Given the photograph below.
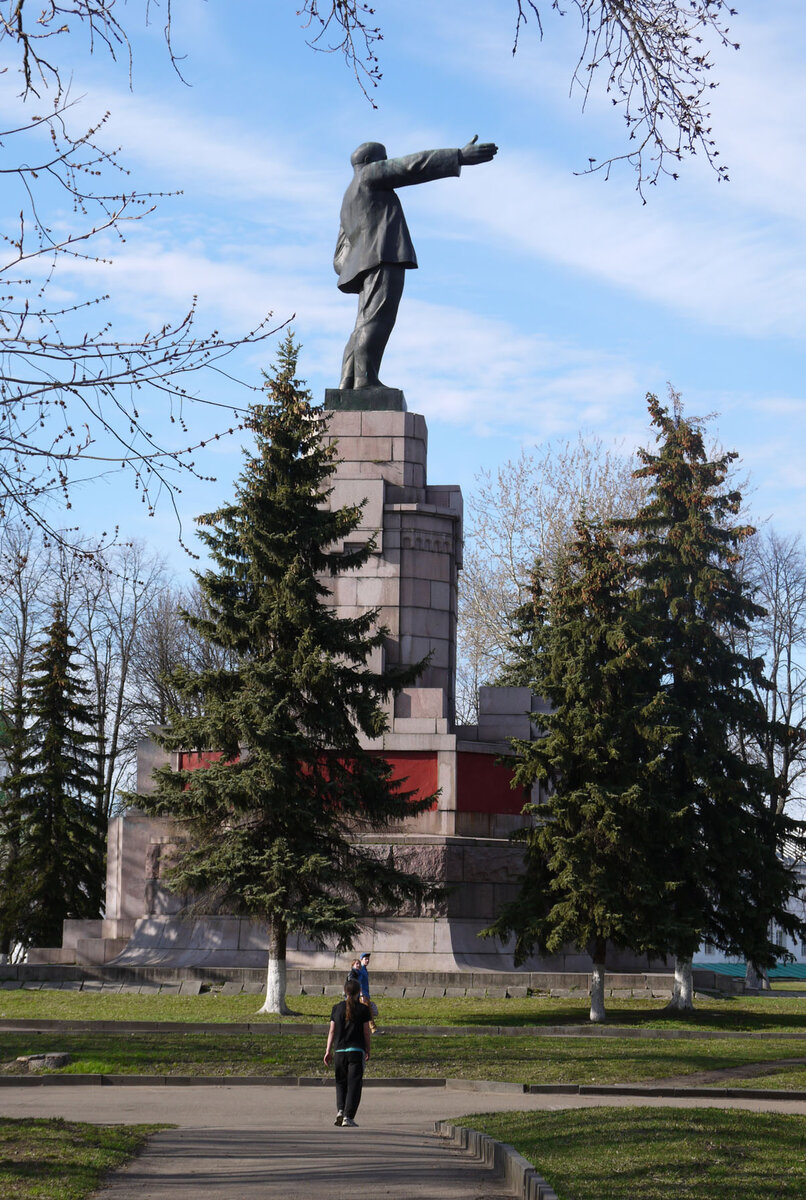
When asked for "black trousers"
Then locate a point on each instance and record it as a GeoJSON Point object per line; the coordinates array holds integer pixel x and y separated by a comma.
{"type": "Point", "coordinates": [349, 1080]}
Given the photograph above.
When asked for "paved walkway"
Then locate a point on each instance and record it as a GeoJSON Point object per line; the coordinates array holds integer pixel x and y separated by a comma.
{"type": "Point", "coordinates": [279, 1143]}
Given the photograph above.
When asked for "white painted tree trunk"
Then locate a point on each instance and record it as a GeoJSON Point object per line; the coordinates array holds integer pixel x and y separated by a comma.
{"type": "Point", "coordinates": [598, 1013]}
{"type": "Point", "coordinates": [756, 979]}
{"type": "Point", "coordinates": [275, 974]}
{"type": "Point", "coordinates": [683, 988]}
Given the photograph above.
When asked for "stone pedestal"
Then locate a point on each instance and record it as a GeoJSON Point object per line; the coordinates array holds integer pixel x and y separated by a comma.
{"type": "Point", "coordinates": [369, 399]}
{"type": "Point", "coordinates": [416, 530]}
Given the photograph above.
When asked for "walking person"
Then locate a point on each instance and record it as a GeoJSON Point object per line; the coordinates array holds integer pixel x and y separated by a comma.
{"type": "Point", "coordinates": [363, 979]}
{"type": "Point", "coordinates": [348, 1041]}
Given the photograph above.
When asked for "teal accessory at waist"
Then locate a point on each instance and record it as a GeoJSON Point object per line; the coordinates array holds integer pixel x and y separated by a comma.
{"type": "Point", "coordinates": [350, 1049]}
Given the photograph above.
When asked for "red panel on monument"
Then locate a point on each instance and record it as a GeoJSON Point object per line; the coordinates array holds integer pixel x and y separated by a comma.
{"type": "Point", "coordinates": [483, 785]}
{"type": "Point", "coordinates": [190, 760]}
{"type": "Point", "coordinates": [416, 770]}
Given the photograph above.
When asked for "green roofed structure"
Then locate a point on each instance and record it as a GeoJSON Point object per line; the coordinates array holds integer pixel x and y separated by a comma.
{"type": "Point", "coordinates": [736, 970]}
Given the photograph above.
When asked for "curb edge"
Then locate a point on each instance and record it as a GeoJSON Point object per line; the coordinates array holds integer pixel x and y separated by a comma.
{"type": "Point", "coordinates": [521, 1177]}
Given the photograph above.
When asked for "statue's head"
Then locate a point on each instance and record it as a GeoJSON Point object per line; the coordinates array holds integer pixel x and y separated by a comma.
{"type": "Point", "coordinates": [367, 152]}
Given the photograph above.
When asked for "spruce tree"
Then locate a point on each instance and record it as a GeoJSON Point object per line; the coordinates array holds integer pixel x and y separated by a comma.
{"type": "Point", "coordinates": [274, 825]}
{"type": "Point", "coordinates": [593, 873]}
{"type": "Point", "coordinates": [727, 881]}
{"type": "Point", "coordinates": [11, 749]}
{"type": "Point", "coordinates": [57, 868]}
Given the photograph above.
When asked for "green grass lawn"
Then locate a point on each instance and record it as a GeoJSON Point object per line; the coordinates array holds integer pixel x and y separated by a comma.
{"type": "Point", "coordinates": [788, 1079]}
{"type": "Point", "coordinates": [518, 1060]}
{"type": "Point", "coordinates": [739, 1013]}
{"type": "Point", "coordinates": [62, 1160]}
{"type": "Point", "coordinates": [655, 1154]}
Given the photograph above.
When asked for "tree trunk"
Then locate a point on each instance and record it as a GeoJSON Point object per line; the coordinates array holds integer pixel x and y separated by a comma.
{"type": "Point", "coordinates": [597, 1013]}
{"type": "Point", "coordinates": [275, 975]}
{"type": "Point", "coordinates": [756, 978]}
{"type": "Point", "coordinates": [683, 990]}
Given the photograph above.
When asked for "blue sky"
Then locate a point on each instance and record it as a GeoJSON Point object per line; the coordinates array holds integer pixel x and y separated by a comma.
{"type": "Point", "coordinates": [545, 303]}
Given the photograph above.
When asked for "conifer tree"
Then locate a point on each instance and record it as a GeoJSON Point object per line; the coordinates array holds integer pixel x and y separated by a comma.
{"type": "Point", "coordinates": [593, 872]}
{"type": "Point", "coordinates": [726, 878]}
{"type": "Point", "coordinates": [57, 869]}
{"type": "Point", "coordinates": [274, 824]}
{"type": "Point", "coordinates": [11, 749]}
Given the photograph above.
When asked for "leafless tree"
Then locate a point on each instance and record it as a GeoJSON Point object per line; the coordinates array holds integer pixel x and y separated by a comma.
{"type": "Point", "coordinates": [72, 393]}
{"type": "Point", "coordinates": [166, 642]}
{"type": "Point", "coordinates": [775, 566]}
{"type": "Point", "coordinates": [107, 595]}
{"type": "Point", "coordinates": [522, 513]}
{"type": "Point", "coordinates": [652, 58]}
{"type": "Point", "coordinates": [111, 609]}
{"type": "Point", "coordinates": [25, 570]}
{"type": "Point", "coordinates": [160, 648]}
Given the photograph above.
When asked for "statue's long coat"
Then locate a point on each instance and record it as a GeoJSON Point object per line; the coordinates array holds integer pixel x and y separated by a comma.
{"type": "Point", "coordinates": [373, 228]}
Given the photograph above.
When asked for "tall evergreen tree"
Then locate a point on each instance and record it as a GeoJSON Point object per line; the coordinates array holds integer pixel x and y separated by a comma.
{"type": "Point", "coordinates": [57, 870]}
{"type": "Point", "coordinates": [11, 750]}
{"type": "Point", "coordinates": [593, 872]}
{"type": "Point", "coordinates": [274, 825]}
{"type": "Point", "coordinates": [727, 880]}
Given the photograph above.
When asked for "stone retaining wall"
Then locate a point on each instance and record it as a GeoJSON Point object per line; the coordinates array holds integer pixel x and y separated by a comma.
{"type": "Point", "coordinates": [329, 982]}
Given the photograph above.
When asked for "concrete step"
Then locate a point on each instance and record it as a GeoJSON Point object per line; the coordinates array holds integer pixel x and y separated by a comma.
{"type": "Point", "coordinates": [313, 982]}
{"type": "Point", "coordinates": [75, 930]}
{"type": "Point", "coordinates": [119, 927]}
{"type": "Point", "coordinates": [90, 951]}
{"type": "Point", "coordinates": [40, 955]}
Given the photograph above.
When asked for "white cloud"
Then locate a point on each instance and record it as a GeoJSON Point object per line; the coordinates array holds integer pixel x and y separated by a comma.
{"type": "Point", "coordinates": [484, 375]}
{"type": "Point", "coordinates": [718, 266]}
{"type": "Point", "coordinates": [474, 371]}
{"type": "Point", "coordinates": [231, 162]}
{"type": "Point", "coordinates": [760, 110]}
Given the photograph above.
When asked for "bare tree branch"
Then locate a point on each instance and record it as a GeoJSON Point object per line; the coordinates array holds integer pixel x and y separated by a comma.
{"type": "Point", "coordinates": [72, 394]}
{"type": "Point", "coordinates": [344, 25]}
{"type": "Point", "coordinates": [651, 58]}
{"type": "Point", "coordinates": [775, 566]}
{"type": "Point", "coordinates": [523, 513]}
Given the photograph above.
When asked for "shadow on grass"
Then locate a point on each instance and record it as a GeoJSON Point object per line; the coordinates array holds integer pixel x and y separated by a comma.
{"type": "Point", "coordinates": [729, 1014]}
{"type": "Point", "coordinates": [517, 1059]}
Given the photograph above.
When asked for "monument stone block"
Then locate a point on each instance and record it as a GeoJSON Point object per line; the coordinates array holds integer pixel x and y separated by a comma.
{"type": "Point", "coordinates": [349, 422]}
{"type": "Point", "coordinates": [504, 700]}
{"type": "Point", "coordinates": [440, 596]}
{"type": "Point", "coordinates": [417, 593]}
{"type": "Point", "coordinates": [503, 728]}
{"type": "Point", "coordinates": [387, 424]}
{"type": "Point", "coordinates": [421, 702]}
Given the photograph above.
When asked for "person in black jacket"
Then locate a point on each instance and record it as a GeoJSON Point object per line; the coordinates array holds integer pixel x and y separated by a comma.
{"type": "Point", "coordinates": [348, 1041]}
